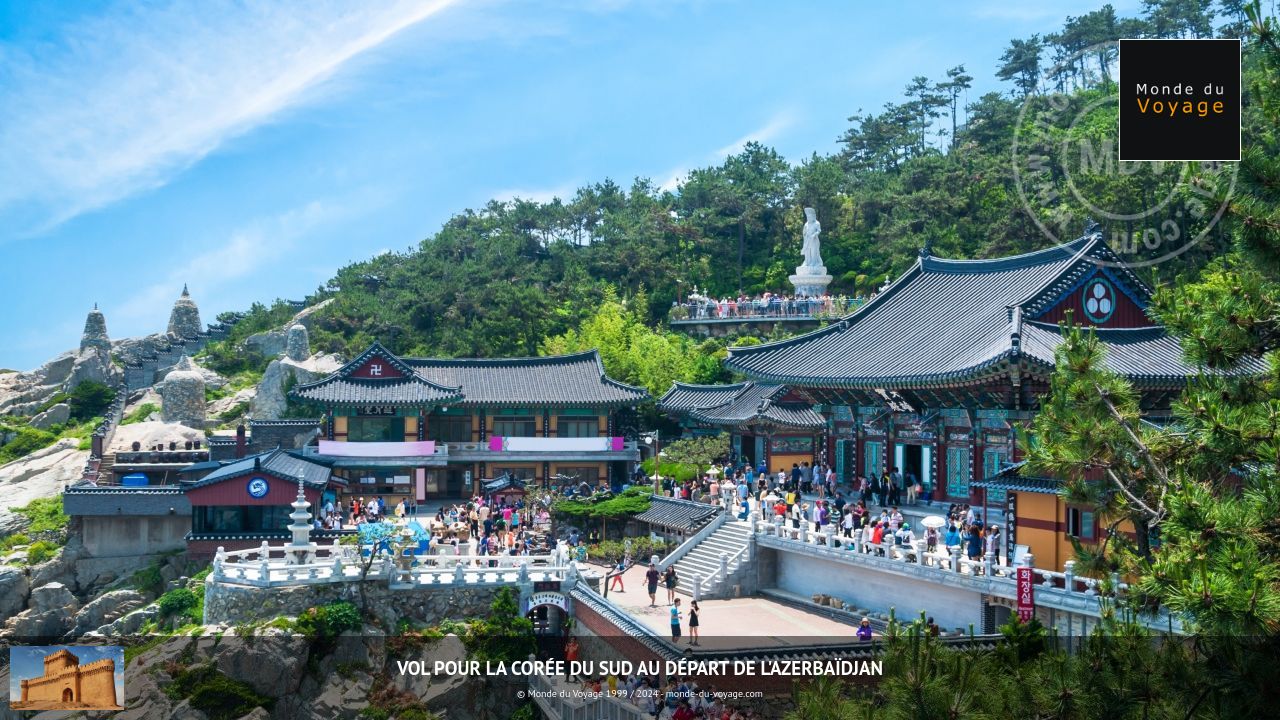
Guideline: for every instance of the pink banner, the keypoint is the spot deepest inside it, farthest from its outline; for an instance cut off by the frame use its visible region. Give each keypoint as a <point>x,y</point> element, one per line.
<point>563,445</point>
<point>495,444</point>
<point>377,449</point>
<point>1026,595</point>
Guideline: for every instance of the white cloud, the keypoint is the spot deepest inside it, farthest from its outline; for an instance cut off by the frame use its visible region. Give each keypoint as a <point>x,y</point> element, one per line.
<point>246,251</point>
<point>128,100</point>
<point>771,129</point>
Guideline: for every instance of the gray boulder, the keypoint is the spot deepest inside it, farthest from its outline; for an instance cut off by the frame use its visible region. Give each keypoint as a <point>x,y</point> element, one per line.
<point>14,587</point>
<point>107,608</point>
<point>57,415</point>
<point>270,401</point>
<point>53,596</point>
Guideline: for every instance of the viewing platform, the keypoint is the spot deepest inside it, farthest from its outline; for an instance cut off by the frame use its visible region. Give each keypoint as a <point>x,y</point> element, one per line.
<point>709,317</point>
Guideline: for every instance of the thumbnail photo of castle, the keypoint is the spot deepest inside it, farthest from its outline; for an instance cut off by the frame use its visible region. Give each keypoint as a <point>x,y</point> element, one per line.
<point>54,678</point>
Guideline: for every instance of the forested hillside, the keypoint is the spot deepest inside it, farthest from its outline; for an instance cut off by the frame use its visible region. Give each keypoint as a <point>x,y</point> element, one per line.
<point>931,170</point>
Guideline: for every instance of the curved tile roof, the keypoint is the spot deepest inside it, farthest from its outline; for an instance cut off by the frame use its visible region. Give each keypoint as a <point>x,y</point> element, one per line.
<point>755,405</point>
<point>683,397</point>
<point>949,321</point>
<point>673,513</point>
<point>557,380</point>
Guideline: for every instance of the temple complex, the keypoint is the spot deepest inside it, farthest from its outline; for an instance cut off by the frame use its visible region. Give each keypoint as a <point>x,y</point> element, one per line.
<point>941,373</point>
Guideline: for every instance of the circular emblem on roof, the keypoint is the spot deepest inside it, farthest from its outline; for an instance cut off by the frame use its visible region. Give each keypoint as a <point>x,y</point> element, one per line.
<point>1099,300</point>
<point>258,487</point>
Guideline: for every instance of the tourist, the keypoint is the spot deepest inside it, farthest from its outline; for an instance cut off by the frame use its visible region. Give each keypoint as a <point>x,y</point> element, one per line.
<point>993,542</point>
<point>905,537</point>
<point>864,489</point>
<point>846,524</point>
<point>864,630</point>
<point>651,577</point>
<point>669,579</point>
<point>932,627</point>
<point>895,486</point>
<point>570,657</point>
<point>912,488</point>
<point>675,621</point>
<point>895,519</point>
<point>831,480</point>
<point>693,623</point>
<point>931,539</point>
<point>974,550</point>
<point>952,538</point>
<point>618,569</point>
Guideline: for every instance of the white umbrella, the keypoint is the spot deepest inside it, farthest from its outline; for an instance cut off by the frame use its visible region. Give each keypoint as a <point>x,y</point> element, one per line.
<point>934,521</point>
<point>714,471</point>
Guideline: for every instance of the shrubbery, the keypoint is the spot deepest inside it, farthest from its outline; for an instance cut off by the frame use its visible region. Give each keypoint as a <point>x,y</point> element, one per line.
<point>44,514</point>
<point>328,621</point>
<point>41,551</point>
<point>26,441</point>
<point>216,695</point>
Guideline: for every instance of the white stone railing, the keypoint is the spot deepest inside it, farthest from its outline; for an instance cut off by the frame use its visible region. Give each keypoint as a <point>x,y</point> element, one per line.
<point>692,541</point>
<point>289,565</point>
<point>728,565</point>
<point>944,561</point>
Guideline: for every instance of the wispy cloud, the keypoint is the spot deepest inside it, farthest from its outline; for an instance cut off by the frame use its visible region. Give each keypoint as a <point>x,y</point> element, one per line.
<point>129,99</point>
<point>772,128</point>
<point>248,250</point>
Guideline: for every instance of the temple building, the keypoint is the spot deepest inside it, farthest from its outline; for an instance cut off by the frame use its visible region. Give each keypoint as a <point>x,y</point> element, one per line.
<point>941,373</point>
<point>241,503</point>
<point>418,428</point>
<point>766,423</point>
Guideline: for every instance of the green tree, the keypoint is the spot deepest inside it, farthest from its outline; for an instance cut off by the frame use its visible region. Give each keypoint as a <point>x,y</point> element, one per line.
<point>698,452</point>
<point>1021,64</point>
<point>504,635</point>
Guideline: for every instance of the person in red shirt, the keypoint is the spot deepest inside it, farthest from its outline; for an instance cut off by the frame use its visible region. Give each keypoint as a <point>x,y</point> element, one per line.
<point>780,508</point>
<point>877,535</point>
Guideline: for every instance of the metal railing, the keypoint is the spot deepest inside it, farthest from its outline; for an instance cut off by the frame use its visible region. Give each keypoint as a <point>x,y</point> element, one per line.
<point>761,309</point>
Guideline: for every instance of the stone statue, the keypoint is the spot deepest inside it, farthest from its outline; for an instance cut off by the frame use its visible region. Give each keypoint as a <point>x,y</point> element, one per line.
<point>811,278</point>
<point>812,247</point>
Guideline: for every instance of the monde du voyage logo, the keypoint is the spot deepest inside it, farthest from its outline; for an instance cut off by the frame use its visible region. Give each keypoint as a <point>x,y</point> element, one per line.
<point>1180,100</point>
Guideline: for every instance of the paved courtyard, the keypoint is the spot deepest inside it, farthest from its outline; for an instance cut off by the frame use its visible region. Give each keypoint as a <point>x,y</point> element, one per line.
<point>734,623</point>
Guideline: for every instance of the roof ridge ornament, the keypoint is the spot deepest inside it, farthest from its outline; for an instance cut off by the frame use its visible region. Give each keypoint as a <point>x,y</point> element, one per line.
<point>1091,227</point>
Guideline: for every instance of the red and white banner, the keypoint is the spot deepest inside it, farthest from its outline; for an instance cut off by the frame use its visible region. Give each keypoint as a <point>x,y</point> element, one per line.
<point>1026,595</point>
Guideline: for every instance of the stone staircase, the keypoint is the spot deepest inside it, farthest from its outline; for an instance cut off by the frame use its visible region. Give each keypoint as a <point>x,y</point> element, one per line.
<point>704,560</point>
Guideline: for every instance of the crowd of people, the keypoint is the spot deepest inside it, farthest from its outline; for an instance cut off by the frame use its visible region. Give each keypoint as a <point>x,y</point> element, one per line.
<point>766,305</point>
<point>748,492</point>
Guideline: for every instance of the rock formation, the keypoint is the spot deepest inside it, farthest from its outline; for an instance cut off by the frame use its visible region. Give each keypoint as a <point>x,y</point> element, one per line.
<point>59,414</point>
<point>270,402</point>
<point>297,345</point>
<point>183,395</point>
<point>95,332</point>
<point>184,319</point>
<point>38,475</point>
<point>23,393</point>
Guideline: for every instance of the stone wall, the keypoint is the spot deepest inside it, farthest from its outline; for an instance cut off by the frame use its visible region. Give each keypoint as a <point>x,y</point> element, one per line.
<point>952,607</point>
<point>238,604</point>
<point>112,537</point>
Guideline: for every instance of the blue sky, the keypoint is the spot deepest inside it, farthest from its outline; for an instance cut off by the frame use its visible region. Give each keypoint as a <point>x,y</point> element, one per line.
<point>252,149</point>
<point>28,662</point>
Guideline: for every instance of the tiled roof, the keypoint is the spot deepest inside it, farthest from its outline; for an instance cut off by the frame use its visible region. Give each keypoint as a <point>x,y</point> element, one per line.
<point>1139,353</point>
<point>945,321</point>
<point>1011,478</point>
<point>341,388</point>
<point>83,500</point>
<point>683,397</point>
<point>556,380</point>
<point>280,463</point>
<point>673,513</point>
<point>739,405</point>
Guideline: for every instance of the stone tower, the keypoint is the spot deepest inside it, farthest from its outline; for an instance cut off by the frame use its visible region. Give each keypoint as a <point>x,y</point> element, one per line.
<point>182,397</point>
<point>297,344</point>
<point>95,332</point>
<point>184,321</point>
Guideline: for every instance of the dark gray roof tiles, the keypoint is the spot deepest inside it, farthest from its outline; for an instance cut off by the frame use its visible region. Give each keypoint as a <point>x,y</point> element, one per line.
<point>556,380</point>
<point>755,404</point>
<point>673,513</point>
<point>947,321</point>
<point>83,500</point>
<point>683,397</point>
<point>275,462</point>
<point>1013,478</point>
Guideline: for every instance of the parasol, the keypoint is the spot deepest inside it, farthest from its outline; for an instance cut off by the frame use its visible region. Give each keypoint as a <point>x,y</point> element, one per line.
<point>934,521</point>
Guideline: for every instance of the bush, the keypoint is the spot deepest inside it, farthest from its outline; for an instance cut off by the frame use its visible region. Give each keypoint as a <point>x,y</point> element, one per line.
<point>90,398</point>
<point>14,540</point>
<point>328,621</point>
<point>215,694</point>
<point>41,551</point>
<point>177,601</point>
<point>148,579</point>
<point>141,413</point>
<point>44,514</point>
<point>26,441</point>
<point>641,548</point>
